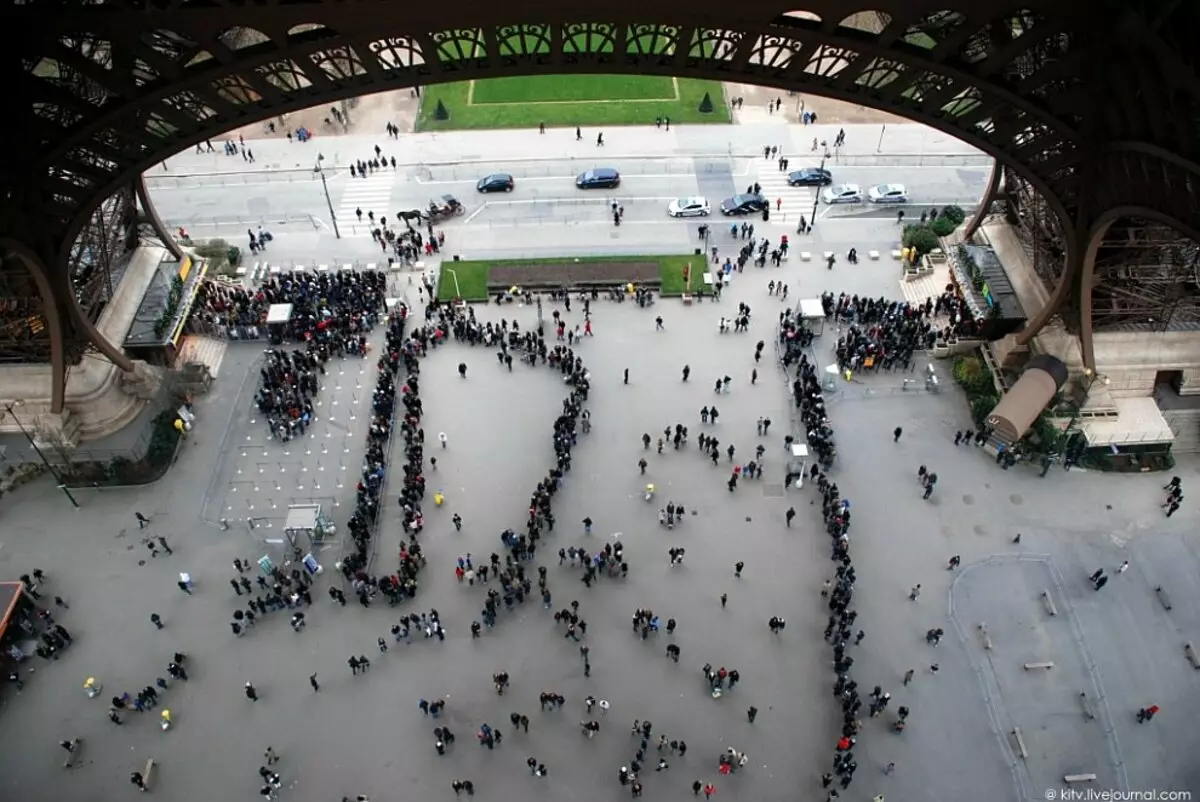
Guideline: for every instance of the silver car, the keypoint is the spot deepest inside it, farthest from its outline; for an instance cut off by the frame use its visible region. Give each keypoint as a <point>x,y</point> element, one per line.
<point>688,207</point>
<point>842,193</point>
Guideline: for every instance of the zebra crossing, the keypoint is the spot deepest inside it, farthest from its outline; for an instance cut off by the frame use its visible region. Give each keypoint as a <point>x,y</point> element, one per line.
<point>371,194</point>
<point>796,200</point>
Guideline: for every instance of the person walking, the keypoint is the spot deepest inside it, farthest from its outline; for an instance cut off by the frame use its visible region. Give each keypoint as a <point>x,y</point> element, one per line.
<point>143,522</point>
<point>914,593</point>
<point>162,541</point>
<point>1147,713</point>
<point>896,434</point>
<point>789,515</point>
<point>312,680</point>
<point>251,692</point>
<point>156,619</point>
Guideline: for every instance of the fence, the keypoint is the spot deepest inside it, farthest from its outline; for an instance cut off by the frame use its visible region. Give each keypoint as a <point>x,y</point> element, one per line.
<point>271,222</point>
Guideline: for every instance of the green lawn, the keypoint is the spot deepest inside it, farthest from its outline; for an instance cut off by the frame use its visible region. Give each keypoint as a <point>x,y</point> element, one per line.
<point>526,102</point>
<point>473,274</point>
<point>574,88</point>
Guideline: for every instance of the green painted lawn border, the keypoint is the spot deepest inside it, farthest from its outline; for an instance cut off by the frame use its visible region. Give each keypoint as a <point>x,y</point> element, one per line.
<point>473,273</point>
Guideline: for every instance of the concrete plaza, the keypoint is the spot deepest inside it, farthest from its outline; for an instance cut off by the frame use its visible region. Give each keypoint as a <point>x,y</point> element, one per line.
<point>365,735</point>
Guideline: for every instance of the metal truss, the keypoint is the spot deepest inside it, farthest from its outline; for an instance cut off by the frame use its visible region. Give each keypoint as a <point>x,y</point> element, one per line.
<point>1147,278</point>
<point>1040,233</point>
<point>1095,110</point>
<point>98,253</point>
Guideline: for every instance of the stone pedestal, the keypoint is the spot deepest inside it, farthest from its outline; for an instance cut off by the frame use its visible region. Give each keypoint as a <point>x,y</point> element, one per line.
<point>56,431</point>
<point>143,383</point>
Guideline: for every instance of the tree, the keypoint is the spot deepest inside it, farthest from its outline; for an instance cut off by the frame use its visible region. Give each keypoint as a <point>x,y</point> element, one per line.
<point>440,113</point>
<point>943,226</point>
<point>706,104</point>
<point>954,214</point>
<point>921,237</point>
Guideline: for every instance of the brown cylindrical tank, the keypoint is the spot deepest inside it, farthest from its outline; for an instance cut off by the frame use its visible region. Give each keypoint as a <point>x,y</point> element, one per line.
<point>1019,408</point>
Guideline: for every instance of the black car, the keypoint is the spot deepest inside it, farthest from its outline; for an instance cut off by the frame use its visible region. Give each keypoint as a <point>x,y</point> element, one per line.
<point>810,177</point>
<point>496,182</point>
<point>600,178</point>
<point>744,204</point>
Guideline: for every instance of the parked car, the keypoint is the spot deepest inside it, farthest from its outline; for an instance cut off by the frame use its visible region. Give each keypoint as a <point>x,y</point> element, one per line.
<point>842,193</point>
<point>600,178</point>
<point>888,193</point>
<point>688,207</point>
<point>496,182</point>
<point>810,177</point>
<point>744,204</point>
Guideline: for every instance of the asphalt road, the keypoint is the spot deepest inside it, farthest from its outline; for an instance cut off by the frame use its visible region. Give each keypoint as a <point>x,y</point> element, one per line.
<point>546,209</point>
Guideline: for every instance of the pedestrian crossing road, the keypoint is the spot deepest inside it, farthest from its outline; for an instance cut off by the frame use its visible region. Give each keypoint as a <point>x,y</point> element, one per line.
<point>796,201</point>
<point>371,194</point>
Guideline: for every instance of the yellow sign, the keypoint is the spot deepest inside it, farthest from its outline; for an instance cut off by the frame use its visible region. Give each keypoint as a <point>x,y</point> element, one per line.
<point>185,267</point>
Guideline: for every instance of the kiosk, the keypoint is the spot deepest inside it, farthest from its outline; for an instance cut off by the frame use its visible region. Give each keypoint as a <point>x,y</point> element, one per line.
<point>307,520</point>
<point>278,318</point>
<point>812,315</point>
<point>797,462</point>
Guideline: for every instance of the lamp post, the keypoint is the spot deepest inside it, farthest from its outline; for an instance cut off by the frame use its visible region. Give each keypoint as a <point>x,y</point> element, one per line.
<point>33,444</point>
<point>817,195</point>
<point>879,147</point>
<point>318,169</point>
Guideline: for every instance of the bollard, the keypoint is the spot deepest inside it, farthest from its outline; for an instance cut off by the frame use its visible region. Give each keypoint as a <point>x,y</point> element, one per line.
<point>1045,664</point>
<point>1189,652</point>
<point>1161,592</point>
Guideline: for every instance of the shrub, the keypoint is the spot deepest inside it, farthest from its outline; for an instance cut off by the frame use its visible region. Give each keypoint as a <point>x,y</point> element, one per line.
<point>921,237</point>
<point>954,214</point>
<point>943,226</point>
<point>982,406</point>
<point>973,376</point>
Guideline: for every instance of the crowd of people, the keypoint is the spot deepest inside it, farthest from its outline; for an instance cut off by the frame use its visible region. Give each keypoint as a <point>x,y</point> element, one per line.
<point>338,308</point>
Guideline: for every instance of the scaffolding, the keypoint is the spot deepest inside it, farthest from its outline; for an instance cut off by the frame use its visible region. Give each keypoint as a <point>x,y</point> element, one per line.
<point>1147,279</point>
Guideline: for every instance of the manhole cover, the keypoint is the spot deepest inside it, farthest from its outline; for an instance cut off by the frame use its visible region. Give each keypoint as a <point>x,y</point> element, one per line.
<point>968,499</point>
<point>980,529</point>
<point>1017,499</point>
<point>772,490</point>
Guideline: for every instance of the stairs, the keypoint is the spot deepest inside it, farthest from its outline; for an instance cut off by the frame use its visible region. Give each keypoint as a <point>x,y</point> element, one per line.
<point>207,351</point>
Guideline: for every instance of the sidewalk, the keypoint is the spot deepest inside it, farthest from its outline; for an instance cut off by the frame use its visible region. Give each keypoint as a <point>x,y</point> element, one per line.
<point>794,141</point>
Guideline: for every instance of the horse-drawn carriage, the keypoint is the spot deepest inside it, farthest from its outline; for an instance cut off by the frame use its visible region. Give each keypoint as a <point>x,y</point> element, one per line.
<point>443,208</point>
<point>439,209</point>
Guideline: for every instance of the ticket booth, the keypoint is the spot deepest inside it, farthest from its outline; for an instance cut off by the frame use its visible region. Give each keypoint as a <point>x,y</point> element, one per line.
<point>279,316</point>
<point>307,525</point>
<point>798,463</point>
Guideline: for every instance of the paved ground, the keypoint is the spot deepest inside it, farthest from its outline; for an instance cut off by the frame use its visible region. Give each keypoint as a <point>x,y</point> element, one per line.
<point>365,735</point>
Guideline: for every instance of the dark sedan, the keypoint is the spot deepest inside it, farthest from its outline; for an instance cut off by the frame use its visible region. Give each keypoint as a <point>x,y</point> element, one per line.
<point>600,178</point>
<point>810,177</point>
<point>496,182</point>
<point>744,204</point>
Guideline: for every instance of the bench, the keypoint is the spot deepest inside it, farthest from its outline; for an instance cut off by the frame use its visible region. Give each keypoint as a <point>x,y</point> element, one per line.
<point>1020,741</point>
<point>1046,664</point>
<point>987,639</point>
<point>896,255</point>
<point>148,772</point>
<point>322,268</point>
<point>1189,651</point>
<point>1161,592</point>
<point>805,256</point>
<point>873,255</point>
<point>72,753</point>
<point>1079,778</point>
<point>1049,602</point>
<point>1085,701</point>
<point>275,270</point>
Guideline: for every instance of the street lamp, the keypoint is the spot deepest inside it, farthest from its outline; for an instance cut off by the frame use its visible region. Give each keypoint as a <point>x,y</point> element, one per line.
<point>53,471</point>
<point>879,147</point>
<point>321,172</point>
<point>817,194</point>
